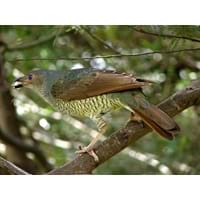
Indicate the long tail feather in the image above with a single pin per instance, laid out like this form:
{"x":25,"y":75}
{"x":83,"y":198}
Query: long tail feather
{"x":166,"y":133}
{"x":157,"y":119}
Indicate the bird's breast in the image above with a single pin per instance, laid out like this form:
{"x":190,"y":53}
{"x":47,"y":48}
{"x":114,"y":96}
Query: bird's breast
{"x":89,"y":107}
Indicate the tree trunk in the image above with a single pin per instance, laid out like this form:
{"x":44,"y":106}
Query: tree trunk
{"x":9,"y":122}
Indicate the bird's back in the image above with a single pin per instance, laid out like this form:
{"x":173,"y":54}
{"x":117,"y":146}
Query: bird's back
{"x":88,"y":91}
{"x":84,"y":83}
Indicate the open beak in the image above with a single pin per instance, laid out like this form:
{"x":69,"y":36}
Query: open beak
{"x":20,"y":82}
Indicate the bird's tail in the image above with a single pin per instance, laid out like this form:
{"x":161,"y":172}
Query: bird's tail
{"x":157,"y":119}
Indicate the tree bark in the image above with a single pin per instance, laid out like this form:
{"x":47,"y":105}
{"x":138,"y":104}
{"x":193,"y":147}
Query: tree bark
{"x":9,"y":122}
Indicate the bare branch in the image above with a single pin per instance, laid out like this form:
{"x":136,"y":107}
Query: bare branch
{"x":133,"y":131}
{"x":108,"y":56}
{"x":188,"y":63}
{"x":166,"y":35}
{"x":21,"y":145}
{"x":34,"y":43}
{"x":9,"y":168}
{"x":10,"y":125}
{"x":98,"y":39}
{"x":41,"y":40}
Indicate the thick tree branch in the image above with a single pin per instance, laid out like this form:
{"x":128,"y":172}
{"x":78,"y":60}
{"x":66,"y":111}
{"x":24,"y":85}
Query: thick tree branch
{"x":10,"y":128}
{"x":109,"y":56}
{"x":166,"y":35}
{"x":133,"y":131}
{"x":9,"y":168}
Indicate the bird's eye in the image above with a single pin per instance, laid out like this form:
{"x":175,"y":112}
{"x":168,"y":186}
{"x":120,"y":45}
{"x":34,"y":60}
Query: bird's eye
{"x":30,"y":76}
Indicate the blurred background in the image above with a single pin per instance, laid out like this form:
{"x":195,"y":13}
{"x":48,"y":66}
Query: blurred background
{"x":37,"y":138}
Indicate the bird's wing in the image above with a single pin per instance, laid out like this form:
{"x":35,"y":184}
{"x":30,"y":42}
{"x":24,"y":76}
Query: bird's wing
{"x":95,"y":83}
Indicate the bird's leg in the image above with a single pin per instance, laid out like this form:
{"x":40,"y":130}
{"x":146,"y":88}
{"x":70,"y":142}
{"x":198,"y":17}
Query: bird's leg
{"x":135,"y":117}
{"x":102,"y":126}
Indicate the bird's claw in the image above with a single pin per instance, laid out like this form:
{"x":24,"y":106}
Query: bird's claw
{"x":88,"y":151}
{"x":135,"y":117}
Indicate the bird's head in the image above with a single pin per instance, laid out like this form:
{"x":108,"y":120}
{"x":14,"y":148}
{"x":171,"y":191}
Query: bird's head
{"x":33,"y":79}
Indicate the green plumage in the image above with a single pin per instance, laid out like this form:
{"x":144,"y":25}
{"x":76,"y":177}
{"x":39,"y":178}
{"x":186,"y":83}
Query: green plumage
{"x":89,"y":107}
{"x":92,"y":93}
{"x":69,"y":93}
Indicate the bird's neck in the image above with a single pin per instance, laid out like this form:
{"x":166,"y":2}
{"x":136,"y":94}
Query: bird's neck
{"x":44,"y":89}
{"x":45,"y":93}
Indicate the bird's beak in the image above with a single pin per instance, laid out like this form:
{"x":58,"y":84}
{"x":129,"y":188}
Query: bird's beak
{"x":20,"y":82}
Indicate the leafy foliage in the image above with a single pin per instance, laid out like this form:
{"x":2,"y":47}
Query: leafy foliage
{"x":59,"y":136}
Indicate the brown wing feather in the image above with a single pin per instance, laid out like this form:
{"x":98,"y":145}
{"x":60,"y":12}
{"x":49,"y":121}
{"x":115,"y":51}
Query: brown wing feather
{"x":96,"y":83}
{"x":113,"y":82}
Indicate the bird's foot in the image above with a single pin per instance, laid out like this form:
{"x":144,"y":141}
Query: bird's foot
{"x":135,"y":117}
{"x":88,"y":150}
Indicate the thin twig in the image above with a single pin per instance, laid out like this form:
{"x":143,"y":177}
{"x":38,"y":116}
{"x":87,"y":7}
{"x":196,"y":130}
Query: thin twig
{"x":166,"y":35}
{"x":107,"y":56}
{"x":98,"y":39}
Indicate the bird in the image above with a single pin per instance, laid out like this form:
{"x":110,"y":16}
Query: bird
{"x":92,"y":93}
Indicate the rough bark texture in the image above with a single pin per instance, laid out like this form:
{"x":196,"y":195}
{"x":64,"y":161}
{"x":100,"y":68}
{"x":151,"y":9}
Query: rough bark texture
{"x":133,"y":131}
